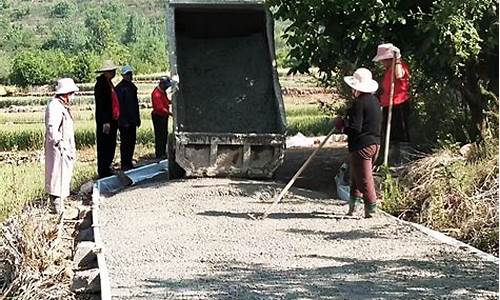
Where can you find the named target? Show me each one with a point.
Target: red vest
(115, 103)
(401, 87)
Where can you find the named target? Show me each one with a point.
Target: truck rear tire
(174, 170)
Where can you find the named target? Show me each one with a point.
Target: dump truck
(229, 118)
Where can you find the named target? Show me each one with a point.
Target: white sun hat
(362, 81)
(66, 86)
(386, 51)
(127, 69)
(108, 65)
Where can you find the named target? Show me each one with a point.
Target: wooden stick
(291, 182)
(389, 113)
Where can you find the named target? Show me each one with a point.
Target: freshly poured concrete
(193, 240)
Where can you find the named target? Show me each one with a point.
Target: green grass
(24, 183)
(31, 136)
(25, 131)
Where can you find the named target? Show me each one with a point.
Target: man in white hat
(107, 114)
(362, 127)
(129, 117)
(60, 150)
(401, 107)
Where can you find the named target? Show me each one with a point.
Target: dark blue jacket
(129, 104)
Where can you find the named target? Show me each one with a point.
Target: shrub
(62, 9)
(451, 193)
(40, 67)
(29, 68)
(5, 67)
(85, 66)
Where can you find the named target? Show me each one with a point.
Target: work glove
(339, 123)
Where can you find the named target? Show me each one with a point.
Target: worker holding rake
(395, 100)
(362, 127)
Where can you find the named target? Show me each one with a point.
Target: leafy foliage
(452, 46)
(75, 46)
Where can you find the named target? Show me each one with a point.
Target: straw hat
(108, 65)
(362, 81)
(66, 86)
(386, 51)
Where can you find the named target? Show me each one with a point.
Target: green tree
(85, 65)
(38, 67)
(29, 68)
(449, 43)
(131, 31)
(71, 39)
(100, 33)
(5, 67)
(4, 4)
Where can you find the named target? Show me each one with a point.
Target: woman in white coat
(60, 150)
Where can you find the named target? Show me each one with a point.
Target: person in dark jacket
(107, 113)
(362, 127)
(130, 118)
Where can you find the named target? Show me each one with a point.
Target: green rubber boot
(370, 209)
(352, 204)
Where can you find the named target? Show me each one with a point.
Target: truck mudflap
(203, 154)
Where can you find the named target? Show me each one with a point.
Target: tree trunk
(473, 98)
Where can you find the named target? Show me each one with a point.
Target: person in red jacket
(401, 106)
(159, 115)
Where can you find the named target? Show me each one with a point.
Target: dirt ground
(193, 239)
(318, 176)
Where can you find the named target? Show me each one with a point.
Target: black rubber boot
(352, 204)
(370, 209)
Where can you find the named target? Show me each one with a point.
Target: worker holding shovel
(398, 105)
(362, 127)
(60, 150)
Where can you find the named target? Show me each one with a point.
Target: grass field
(25, 130)
(25, 182)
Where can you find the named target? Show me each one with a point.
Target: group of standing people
(366, 121)
(116, 110)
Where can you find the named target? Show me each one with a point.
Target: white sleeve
(53, 119)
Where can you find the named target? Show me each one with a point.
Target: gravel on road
(192, 239)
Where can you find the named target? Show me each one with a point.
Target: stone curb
(443, 238)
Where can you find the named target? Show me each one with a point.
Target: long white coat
(60, 149)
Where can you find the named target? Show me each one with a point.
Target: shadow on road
(344, 279)
(275, 216)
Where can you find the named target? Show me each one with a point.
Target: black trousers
(400, 131)
(106, 145)
(128, 137)
(160, 124)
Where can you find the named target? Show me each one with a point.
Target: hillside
(47, 39)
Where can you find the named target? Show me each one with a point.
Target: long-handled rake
(292, 181)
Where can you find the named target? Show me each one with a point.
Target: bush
(451, 193)
(62, 10)
(85, 66)
(29, 68)
(70, 39)
(5, 68)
